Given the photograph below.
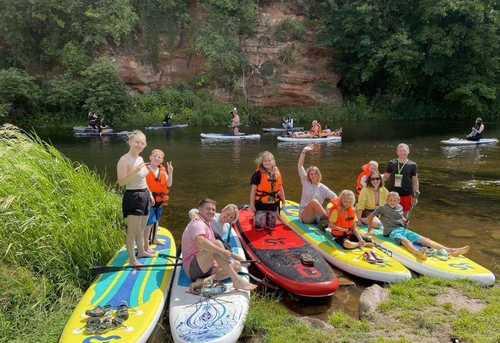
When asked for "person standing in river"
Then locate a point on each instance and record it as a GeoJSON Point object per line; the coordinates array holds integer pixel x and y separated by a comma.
{"type": "Point", "coordinates": [402, 177]}
{"type": "Point", "coordinates": [132, 172]}
{"type": "Point", "coordinates": [235, 122]}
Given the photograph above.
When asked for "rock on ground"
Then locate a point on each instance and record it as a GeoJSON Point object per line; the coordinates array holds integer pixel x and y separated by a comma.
{"type": "Point", "coordinates": [371, 298]}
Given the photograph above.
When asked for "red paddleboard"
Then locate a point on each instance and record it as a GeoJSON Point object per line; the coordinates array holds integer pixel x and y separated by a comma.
{"type": "Point", "coordinates": [286, 259]}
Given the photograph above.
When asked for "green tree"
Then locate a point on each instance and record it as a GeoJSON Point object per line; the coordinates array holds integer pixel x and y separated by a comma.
{"type": "Point", "coordinates": [228, 22]}
{"type": "Point", "coordinates": [18, 92]}
{"type": "Point", "coordinates": [440, 52]}
{"type": "Point", "coordinates": [105, 91]}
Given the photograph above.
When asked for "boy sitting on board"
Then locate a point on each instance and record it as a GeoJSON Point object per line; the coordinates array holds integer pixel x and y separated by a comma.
{"type": "Point", "coordinates": [342, 222]}
{"type": "Point", "coordinates": [394, 222]}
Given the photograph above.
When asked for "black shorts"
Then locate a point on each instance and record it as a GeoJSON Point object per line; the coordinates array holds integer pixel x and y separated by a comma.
{"type": "Point", "coordinates": [195, 271]}
{"type": "Point", "coordinates": [340, 240]}
{"type": "Point", "coordinates": [135, 202]}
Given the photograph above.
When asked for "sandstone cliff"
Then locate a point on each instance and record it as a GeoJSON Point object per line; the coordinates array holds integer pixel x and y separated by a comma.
{"type": "Point", "coordinates": [289, 73]}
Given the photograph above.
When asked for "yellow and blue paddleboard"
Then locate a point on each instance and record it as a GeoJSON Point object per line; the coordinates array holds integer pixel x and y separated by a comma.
{"type": "Point", "coordinates": [351, 261]}
{"type": "Point", "coordinates": [453, 268]}
{"type": "Point", "coordinates": [144, 290]}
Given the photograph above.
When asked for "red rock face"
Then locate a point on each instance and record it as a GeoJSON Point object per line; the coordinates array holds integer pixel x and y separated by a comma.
{"type": "Point", "coordinates": [292, 73]}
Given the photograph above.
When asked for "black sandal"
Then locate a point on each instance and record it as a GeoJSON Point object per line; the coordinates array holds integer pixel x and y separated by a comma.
{"type": "Point", "coordinates": [99, 311]}
{"type": "Point", "coordinates": [122, 312]}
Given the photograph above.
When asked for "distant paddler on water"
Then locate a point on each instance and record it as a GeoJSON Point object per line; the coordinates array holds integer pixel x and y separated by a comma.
{"type": "Point", "coordinates": [235, 122]}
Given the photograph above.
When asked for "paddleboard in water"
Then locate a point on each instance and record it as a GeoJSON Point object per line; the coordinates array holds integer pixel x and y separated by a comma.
{"type": "Point", "coordinates": [460, 141]}
{"type": "Point", "coordinates": [194, 318]}
{"type": "Point", "coordinates": [351, 261]}
{"type": "Point", "coordinates": [103, 133]}
{"type": "Point", "coordinates": [163, 127]}
{"type": "Point", "coordinates": [144, 290]}
{"type": "Point", "coordinates": [90, 129]}
{"type": "Point", "coordinates": [454, 268]}
{"type": "Point", "coordinates": [229, 137]}
{"type": "Point", "coordinates": [280, 129]}
{"type": "Point", "coordinates": [282, 257]}
{"type": "Point", "coordinates": [310, 140]}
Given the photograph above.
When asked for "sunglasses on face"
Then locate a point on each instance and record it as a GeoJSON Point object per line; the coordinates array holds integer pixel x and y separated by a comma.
{"type": "Point", "coordinates": [375, 179]}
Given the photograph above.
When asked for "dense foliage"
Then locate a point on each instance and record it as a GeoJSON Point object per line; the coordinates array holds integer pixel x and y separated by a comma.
{"type": "Point", "coordinates": [441, 53]}
{"type": "Point", "coordinates": [406, 58]}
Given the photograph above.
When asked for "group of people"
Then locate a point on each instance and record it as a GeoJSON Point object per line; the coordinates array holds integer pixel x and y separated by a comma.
{"type": "Point", "coordinates": [316, 131]}
{"type": "Point", "coordinates": [95, 121]}
{"type": "Point", "coordinates": [204, 252]}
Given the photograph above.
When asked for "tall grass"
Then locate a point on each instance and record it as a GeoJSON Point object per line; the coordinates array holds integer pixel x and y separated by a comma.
{"type": "Point", "coordinates": [57, 218]}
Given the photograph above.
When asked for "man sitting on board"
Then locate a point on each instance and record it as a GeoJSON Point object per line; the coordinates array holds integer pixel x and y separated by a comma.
{"type": "Point", "coordinates": [204, 256]}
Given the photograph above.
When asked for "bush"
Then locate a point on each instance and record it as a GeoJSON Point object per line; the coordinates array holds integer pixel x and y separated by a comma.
{"type": "Point", "coordinates": [105, 91]}
{"type": "Point", "coordinates": [18, 89]}
{"type": "Point", "coordinates": [290, 29]}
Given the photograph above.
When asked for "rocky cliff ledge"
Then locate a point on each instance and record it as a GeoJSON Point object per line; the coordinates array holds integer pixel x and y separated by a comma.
{"type": "Point", "coordinates": [289, 73]}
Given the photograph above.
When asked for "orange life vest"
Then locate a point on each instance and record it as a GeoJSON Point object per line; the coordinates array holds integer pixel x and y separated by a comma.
{"type": "Point", "coordinates": [158, 185]}
{"type": "Point", "coordinates": [365, 171]}
{"type": "Point", "coordinates": [345, 219]}
{"type": "Point", "coordinates": [269, 187]}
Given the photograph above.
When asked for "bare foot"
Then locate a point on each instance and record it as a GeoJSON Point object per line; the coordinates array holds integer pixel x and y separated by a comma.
{"type": "Point", "coordinates": [146, 254]}
{"type": "Point", "coordinates": [420, 255]}
{"type": "Point", "coordinates": [459, 251]}
{"type": "Point", "coordinates": [135, 264]}
{"type": "Point", "coordinates": [150, 251]}
{"type": "Point", "coordinates": [243, 285]}
{"type": "Point", "coordinates": [157, 242]}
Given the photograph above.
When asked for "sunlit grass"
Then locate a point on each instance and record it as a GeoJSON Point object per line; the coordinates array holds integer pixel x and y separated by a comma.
{"type": "Point", "coordinates": [57, 219]}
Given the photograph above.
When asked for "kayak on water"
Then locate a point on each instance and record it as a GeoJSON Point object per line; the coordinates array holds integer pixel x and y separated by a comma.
{"type": "Point", "coordinates": [101, 134]}
{"type": "Point", "coordinates": [198, 318]}
{"type": "Point", "coordinates": [90, 129]}
{"type": "Point", "coordinates": [165, 127]}
{"type": "Point", "coordinates": [280, 129]}
{"type": "Point", "coordinates": [310, 139]}
{"type": "Point", "coordinates": [450, 268]}
{"type": "Point", "coordinates": [461, 141]}
{"type": "Point", "coordinates": [286, 259]}
{"type": "Point", "coordinates": [140, 292]}
{"type": "Point", "coordinates": [221, 136]}
{"type": "Point", "coordinates": [351, 261]}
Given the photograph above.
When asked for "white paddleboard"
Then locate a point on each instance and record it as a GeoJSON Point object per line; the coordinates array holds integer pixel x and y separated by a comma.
{"type": "Point", "coordinates": [194, 318]}
{"type": "Point", "coordinates": [461, 141]}
{"type": "Point", "coordinates": [220, 136]}
{"type": "Point", "coordinates": [161, 127]}
{"type": "Point", "coordinates": [280, 129]}
{"type": "Point", "coordinates": [310, 140]}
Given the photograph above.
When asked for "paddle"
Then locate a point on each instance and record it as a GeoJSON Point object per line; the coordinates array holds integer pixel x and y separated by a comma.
{"type": "Point", "coordinates": [111, 269]}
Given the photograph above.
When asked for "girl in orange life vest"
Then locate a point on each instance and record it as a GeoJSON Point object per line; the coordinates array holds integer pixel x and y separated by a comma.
{"type": "Point", "coordinates": [266, 192]}
{"type": "Point", "coordinates": [342, 221]}
{"type": "Point", "coordinates": [366, 171]}
{"type": "Point", "coordinates": [159, 181]}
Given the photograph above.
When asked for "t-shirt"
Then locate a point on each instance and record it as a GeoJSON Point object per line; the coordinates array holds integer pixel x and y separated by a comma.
{"type": "Point", "coordinates": [259, 206]}
{"type": "Point", "coordinates": [189, 249]}
{"type": "Point", "coordinates": [311, 191]}
{"type": "Point", "coordinates": [367, 201]}
{"type": "Point", "coordinates": [391, 218]}
{"type": "Point", "coordinates": [408, 170]}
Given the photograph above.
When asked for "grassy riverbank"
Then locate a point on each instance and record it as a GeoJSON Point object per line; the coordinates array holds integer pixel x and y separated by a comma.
{"type": "Point", "coordinates": [58, 219]}
{"type": "Point", "coordinates": [420, 310]}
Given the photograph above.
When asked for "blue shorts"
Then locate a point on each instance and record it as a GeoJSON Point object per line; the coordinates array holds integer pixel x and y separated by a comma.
{"type": "Point", "coordinates": [401, 233]}
{"type": "Point", "coordinates": [155, 214]}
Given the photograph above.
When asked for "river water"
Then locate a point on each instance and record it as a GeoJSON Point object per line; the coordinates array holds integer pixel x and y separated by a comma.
{"type": "Point", "coordinates": [460, 186]}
